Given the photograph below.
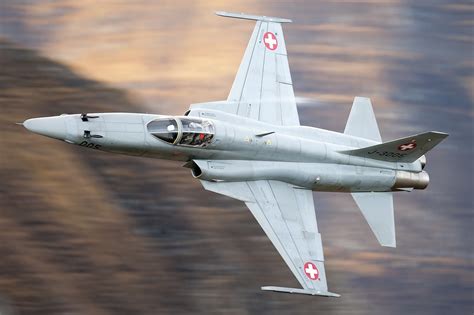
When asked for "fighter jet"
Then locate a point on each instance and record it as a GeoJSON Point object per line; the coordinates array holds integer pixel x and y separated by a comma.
{"type": "Point", "coordinates": [251, 147]}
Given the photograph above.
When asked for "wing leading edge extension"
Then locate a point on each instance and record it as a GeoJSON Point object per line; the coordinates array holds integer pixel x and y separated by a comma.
{"type": "Point", "coordinates": [287, 216]}
{"type": "Point", "coordinates": [262, 89]}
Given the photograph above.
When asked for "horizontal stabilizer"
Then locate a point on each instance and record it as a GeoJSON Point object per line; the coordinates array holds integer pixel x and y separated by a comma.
{"type": "Point", "coordinates": [377, 208]}
{"type": "Point", "coordinates": [404, 150]}
{"type": "Point", "coordinates": [362, 122]}
{"type": "Point", "coordinates": [300, 291]}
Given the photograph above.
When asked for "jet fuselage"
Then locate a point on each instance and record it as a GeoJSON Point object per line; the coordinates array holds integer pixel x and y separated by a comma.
{"type": "Point", "coordinates": [304, 156]}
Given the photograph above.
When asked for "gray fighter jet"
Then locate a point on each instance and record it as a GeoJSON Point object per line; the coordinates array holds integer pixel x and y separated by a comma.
{"type": "Point", "coordinates": [251, 147]}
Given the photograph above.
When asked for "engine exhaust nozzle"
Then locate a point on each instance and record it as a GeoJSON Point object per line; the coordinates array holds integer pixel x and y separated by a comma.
{"type": "Point", "coordinates": [404, 179]}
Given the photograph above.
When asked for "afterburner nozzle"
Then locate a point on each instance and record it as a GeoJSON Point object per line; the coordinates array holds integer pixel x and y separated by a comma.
{"type": "Point", "coordinates": [404, 179]}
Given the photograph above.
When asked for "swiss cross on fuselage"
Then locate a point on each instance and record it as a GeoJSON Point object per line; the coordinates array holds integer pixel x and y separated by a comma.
{"type": "Point", "coordinates": [270, 40]}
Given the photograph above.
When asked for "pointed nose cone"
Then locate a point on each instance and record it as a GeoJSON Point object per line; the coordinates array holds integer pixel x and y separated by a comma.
{"type": "Point", "coordinates": [53, 127]}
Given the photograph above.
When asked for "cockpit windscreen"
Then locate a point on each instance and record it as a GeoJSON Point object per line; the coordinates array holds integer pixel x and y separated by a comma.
{"type": "Point", "coordinates": [183, 131]}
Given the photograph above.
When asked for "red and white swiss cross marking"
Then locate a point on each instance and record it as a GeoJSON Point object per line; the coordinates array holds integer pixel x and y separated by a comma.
{"type": "Point", "coordinates": [407, 146]}
{"type": "Point", "coordinates": [270, 40]}
{"type": "Point", "coordinates": [311, 271]}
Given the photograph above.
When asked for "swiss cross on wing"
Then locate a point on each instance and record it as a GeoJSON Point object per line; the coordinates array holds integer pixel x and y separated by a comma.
{"type": "Point", "coordinates": [270, 40]}
{"type": "Point", "coordinates": [311, 271]}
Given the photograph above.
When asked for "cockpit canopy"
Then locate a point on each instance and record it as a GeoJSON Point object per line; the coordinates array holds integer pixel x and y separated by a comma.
{"type": "Point", "coordinates": [186, 131]}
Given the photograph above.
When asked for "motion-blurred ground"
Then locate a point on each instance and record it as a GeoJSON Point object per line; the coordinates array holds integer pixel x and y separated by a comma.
{"type": "Point", "coordinates": [84, 232]}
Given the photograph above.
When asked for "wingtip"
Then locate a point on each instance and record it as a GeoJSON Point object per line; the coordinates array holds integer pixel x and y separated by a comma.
{"type": "Point", "coordinates": [245, 16]}
{"type": "Point", "coordinates": [300, 291]}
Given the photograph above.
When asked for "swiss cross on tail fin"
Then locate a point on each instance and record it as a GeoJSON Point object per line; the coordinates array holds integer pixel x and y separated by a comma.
{"type": "Point", "coordinates": [405, 150]}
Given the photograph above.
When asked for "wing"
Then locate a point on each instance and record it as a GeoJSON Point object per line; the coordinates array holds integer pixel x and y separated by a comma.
{"type": "Point", "coordinates": [287, 216]}
{"type": "Point", "coordinates": [262, 89]}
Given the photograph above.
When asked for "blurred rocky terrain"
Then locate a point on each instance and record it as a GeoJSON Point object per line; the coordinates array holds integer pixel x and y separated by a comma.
{"type": "Point", "coordinates": [88, 233]}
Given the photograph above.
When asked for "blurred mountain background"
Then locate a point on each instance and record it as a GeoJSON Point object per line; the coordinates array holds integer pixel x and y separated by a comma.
{"type": "Point", "coordinates": [85, 232]}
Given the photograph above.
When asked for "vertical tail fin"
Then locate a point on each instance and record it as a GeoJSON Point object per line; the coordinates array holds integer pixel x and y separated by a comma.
{"type": "Point", "coordinates": [361, 122]}
{"type": "Point", "coordinates": [377, 208]}
{"type": "Point", "coordinates": [404, 150]}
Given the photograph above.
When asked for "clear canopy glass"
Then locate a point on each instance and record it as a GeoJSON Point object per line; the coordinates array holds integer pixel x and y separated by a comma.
{"type": "Point", "coordinates": [184, 131]}
{"type": "Point", "coordinates": [165, 129]}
